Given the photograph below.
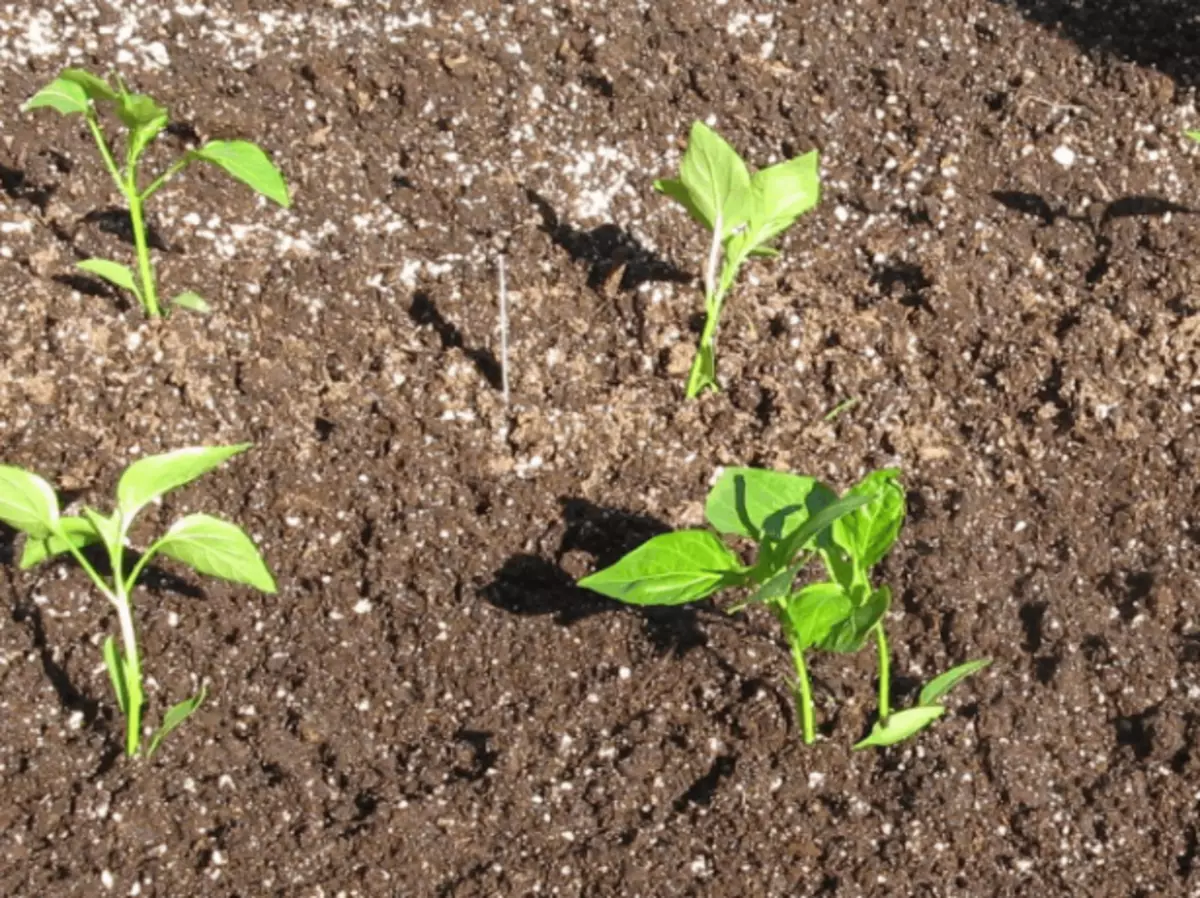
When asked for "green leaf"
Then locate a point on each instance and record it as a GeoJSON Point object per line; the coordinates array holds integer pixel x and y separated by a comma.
{"type": "Point", "coordinates": [60, 94]}
{"type": "Point", "coordinates": [849, 635]}
{"type": "Point", "coordinates": [114, 272]}
{"type": "Point", "coordinates": [1194, 135]}
{"type": "Point", "coordinates": [716, 179]}
{"type": "Point", "coordinates": [116, 672]}
{"type": "Point", "coordinates": [937, 688]}
{"type": "Point", "coordinates": [776, 586]}
{"type": "Point", "coordinates": [139, 111]}
{"type": "Point", "coordinates": [249, 164]}
{"type": "Point", "coordinates": [175, 715]}
{"type": "Point", "coordinates": [678, 192]}
{"type": "Point", "coordinates": [743, 499]}
{"type": "Point", "coordinates": [815, 528]}
{"type": "Point", "coordinates": [27, 502]}
{"type": "Point", "coordinates": [72, 531]}
{"type": "Point", "coordinates": [95, 87]}
{"type": "Point", "coordinates": [107, 526]}
{"type": "Point", "coordinates": [670, 569]}
{"type": "Point", "coordinates": [148, 478]}
{"type": "Point", "coordinates": [864, 537]}
{"type": "Point", "coordinates": [703, 375]}
{"type": "Point", "coordinates": [192, 301]}
{"type": "Point", "coordinates": [901, 725]}
{"type": "Point", "coordinates": [218, 548]}
{"type": "Point", "coordinates": [816, 610]}
{"type": "Point", "coordinates": [781, 194]}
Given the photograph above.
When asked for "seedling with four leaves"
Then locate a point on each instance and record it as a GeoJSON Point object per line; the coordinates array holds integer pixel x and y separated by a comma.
{"type": "Point", "coordinates": [77, 92]}
{"type": "Point", "coordinates": [744, 212]}
{"type": "Point", "coordinates": [792, 519]}
{"type": "Point", "coordinates": [207, 544]}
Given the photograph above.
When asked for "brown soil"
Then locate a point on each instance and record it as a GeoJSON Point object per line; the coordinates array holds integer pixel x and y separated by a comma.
{"type": "Point", "coordinates": [428, 707]}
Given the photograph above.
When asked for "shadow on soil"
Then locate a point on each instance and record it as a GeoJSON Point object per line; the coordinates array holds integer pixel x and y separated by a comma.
{"type": "Point", "coordinates": [529, 584]}
{"type": "Point", "coordinates": [425, 313]}
{"type": "Point", "coordinates": [1159, 34]}
{"type": "Point", "coordinates": [615, 259]}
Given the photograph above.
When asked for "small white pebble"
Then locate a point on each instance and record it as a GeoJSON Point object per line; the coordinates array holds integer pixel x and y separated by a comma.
{"type": "Point", "coordinates": [106, 879]}
{"type": "Point", "coordinates": [1064, 156]}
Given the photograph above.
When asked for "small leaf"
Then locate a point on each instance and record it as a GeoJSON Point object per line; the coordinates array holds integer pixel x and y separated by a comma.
{"type": "Point", "coordinates": [116, 672]}
{"type": "Point", "coordinates": [776, 586]}
{"type": "Point", "coordinates": [869, 533]}
{"type": "Point", "coordinates": [815, 610]}
{"type": "Point", "coordinates": [716, 179]}
{"type": "Point", "coordinates": [937, 688]}
{"type": "Point", "coordinates": [1194, 135]}
{"type": "Point", "coordinates": [703, 375]}
{"type": "Point", "coordinates": [107, 526]}
{"type": "Point", "coordinates": [781, 194]}
{"type": "Point", "coordinates": [670, 569]}
{"type": "Point", "coordinates": [72, 531]}
{"type": "Point", "coordinates": [192, 301]}
{"type": "Point", "coordinates": [95, 87]}
{"type": "Point", "coordinates": [139, 111]}
{"type": "Point", "coordinates": [901, 725]}
{"type": "Point", "coordinates": [677, 191]}
{"type": "Point", "coordinates": [818, 523]}
{"type": "Point", "coordinates": [60, 94]}
{"type": "Point", "coordinates": [148, 478]}
{"type": "Point", "coordinates": [176, 715]}
{"type": "Point", "coordinates": [249, 164]}
{"type": "Point", "coordinates": [218, 548]}
{"type": "Point", "coordinates": [27, 502]}
{"type": "Point", "coordinates": [114, 272]}
{"type": "Point", "coordinates": [743, 499]}
{"type": "Point", "coordinates": [849, 635]}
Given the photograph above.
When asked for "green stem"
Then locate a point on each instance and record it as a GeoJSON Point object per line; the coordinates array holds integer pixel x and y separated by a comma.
{"type": "Point", "coordinates": [166, 176]}
{"type": "Point", "coordinates": [149, 295]}
{"type": "Point", "coordinates": [885, 675]}
{"type": "Point", "coordinates": [804, 699]}
{"type": "Point", "coordinates": [131, 669]}
{"type": "Point", "coordinates": [106, 153]}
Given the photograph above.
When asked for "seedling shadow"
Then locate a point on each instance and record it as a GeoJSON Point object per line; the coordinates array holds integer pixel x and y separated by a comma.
{"type": "Point", "coordinates": [424, 312]}
{"type": "Point", "coordinates": [1162, 36]}
{"type": "Point", "coordinates": [116, 221]}
{"type": "Point", "coordinates": [68, 694]}
{"type": "Point", "coordinates": [532, 585]}
{"type": "Point", "coordinates": [16, 186]}
{"type": "Point", "coordinates": [613, 256]}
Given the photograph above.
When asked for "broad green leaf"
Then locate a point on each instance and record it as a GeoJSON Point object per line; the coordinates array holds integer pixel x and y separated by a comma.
{"type": "Point", "coordinates": [71, 531]}
{"type": "Point", "coordinates": [176, 715]}
{"type": "Point", "coordinates": [849, 635]}
{"type": "Point", "coordinates": [678, 192]}
{"type": "Point", "coordinates": [716, 179]}
{"type": "Point", "coordinates": [114, 272]}
{"type": "Point", "coordinates": [866, 536]}
{"type": "Point", "coordinates": [60, 94]}
{"type": "Point", "coordinates": [780, 195]}
{"type": "Point", "coordinates": [27, 502]}
{"type": "Point", "coordinates": [815, 610]}
{"type": "Point", "coordinates": [115, 663]}
{"type": "Point", "coordinates": [218, 548]}
{"type": "Point", "coordinates": [670, 569]}
{"type": "Point", "coordinates": [192, 301]}
{"type": "Point", "coordinates": [1194, 135]}
{"type": "Point", "coordinates": [95, 87]}
{"type": "Point", "coordinates": [937, 688]}
{"type": "Point", "coordinates": [148, 478]}
{"type": "Point", "coordinates": [743, 499]}
{"type": "Point", "coordinates": [776, 586]}
{"type": "Point", "coordinates": [249, 164]}
{"type": "Point", "coordinates": [815, 529]}
{"type": "Point", "coordinates": [901, 725]}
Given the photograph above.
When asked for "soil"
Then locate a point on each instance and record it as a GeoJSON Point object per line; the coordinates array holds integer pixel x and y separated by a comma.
{"type": "Point", "coordinates": [1002, 272]}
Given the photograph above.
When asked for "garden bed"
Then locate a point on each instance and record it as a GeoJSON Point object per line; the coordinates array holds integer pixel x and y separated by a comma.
{"type": "Point", "coordinates": [1001, 272]}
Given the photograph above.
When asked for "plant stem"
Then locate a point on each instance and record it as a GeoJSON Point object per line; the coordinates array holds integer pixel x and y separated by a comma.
{"type": "Point", "coordinates": [804, 698]}
{"type": "Point", "coordinates": [885, 675]}
{"type": "Point", "coordinates": [131, 670]}
{"type": "Point", "coordinates": [105, 152]}
{"type": "Point", "coordinates": [145, 266]}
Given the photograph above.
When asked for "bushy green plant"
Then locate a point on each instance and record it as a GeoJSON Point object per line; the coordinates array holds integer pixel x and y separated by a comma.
{"type": "Point", "coordinates": [792, 519]}
{"type": "Point", "coordinates": [77, 92]}
{"type": "Point", "coordinates": [744, 212]}
{"type": "Point", "coordinates": [207, 544]}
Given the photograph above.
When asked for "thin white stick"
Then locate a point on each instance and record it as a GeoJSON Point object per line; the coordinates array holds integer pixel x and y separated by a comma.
{"type": "Point", "coordinates": [503, 332]}
{"type": "Point", "coordinates": [714, 259]}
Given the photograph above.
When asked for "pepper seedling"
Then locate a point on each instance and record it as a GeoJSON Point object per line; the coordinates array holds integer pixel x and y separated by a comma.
{"type": "Point", "coordinates": [207, 544]}
{"type": "Point", "coordinates": [744, 212]}
{"type": "Point", "coordinates": [77, 92]}
{"type": "Point", "coordinates": [792, 519]}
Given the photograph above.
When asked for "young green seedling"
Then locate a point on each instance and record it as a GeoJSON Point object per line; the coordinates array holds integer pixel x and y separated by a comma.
{"type": "Point", "coordinates": [744, 212]}
{"type": "Point", "coordinates": [792, 519]}
{"type": "Point", "coordinates": [208, 545]}
{"type": "Point", "coordinates": [77, 92]}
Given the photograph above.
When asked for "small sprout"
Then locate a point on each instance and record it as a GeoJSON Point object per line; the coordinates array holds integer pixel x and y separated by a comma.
{"type": "Point", "coordinates": [206, 544]}
{"type": "Point", "coordinates": [793, 520]}
{"type": "Point", "coordinates": [77, 92]}
{"type": "Point", "coordinates": [744, 212]}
